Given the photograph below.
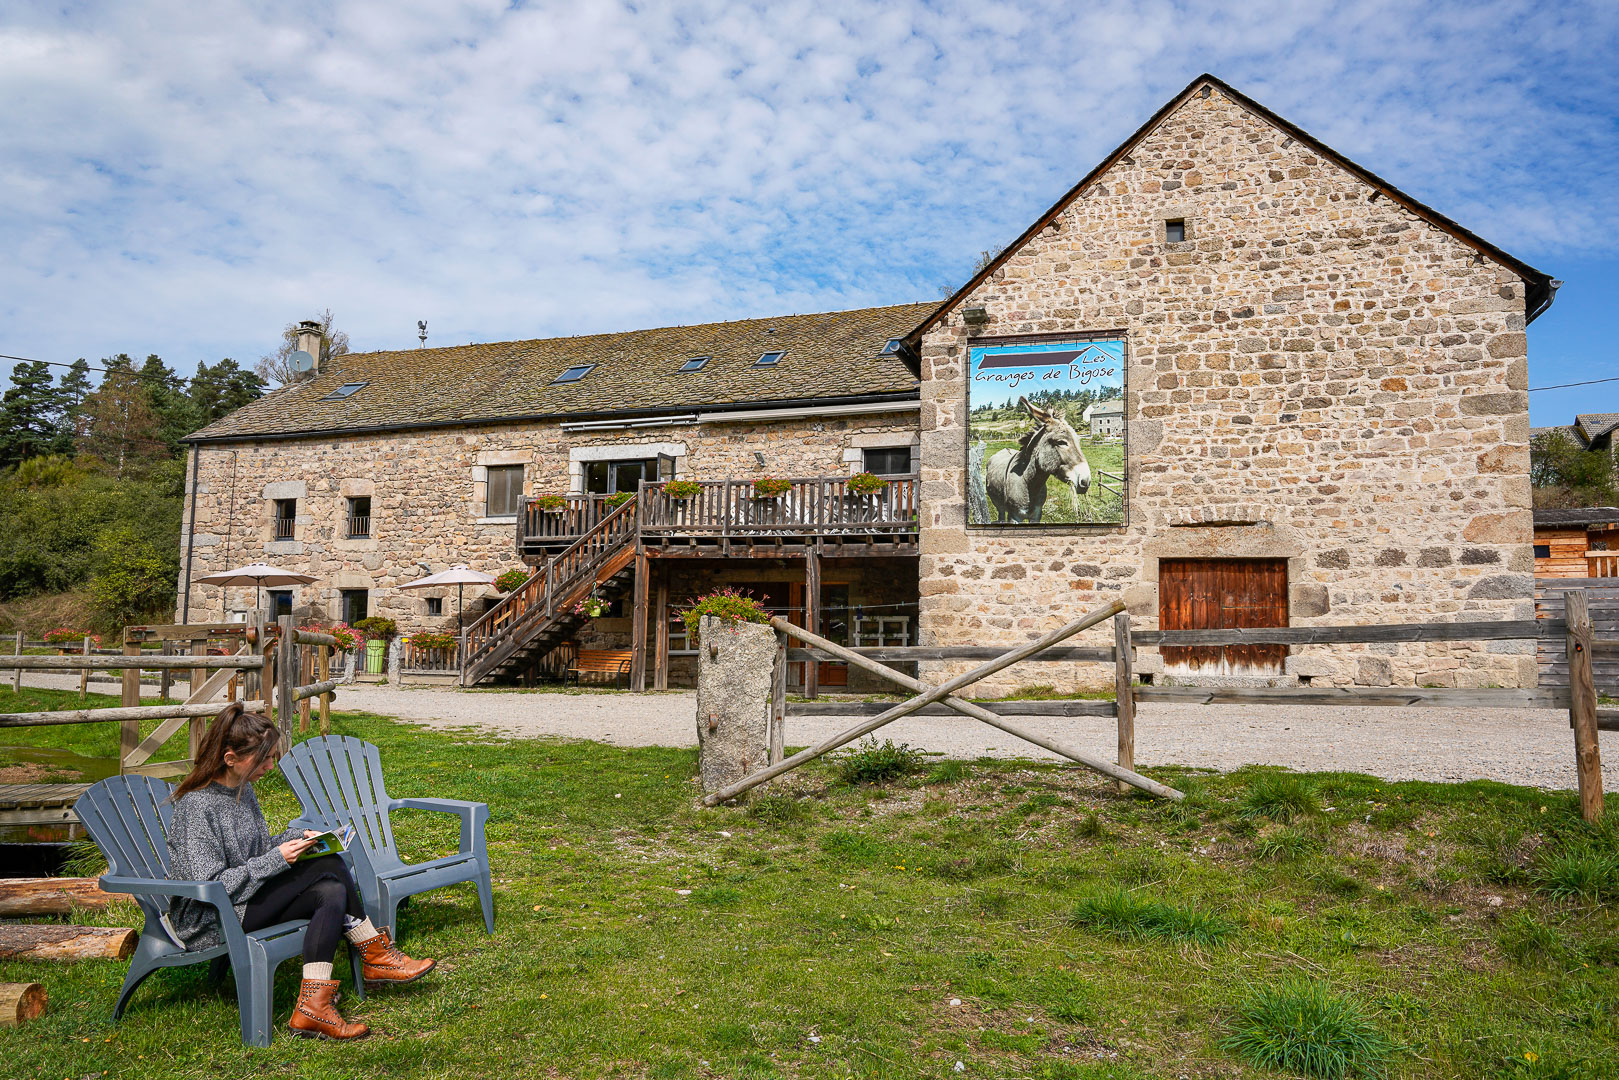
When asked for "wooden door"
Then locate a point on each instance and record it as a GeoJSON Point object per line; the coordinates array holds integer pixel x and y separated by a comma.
{"type": "Point", "coordinates": [1216, 594]}
{"type": "Point", "coordinates": [835, 623]}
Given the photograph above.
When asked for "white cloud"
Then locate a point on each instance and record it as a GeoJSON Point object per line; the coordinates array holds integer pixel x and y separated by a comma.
{"type": "Point", "coordinates": [185, 178]}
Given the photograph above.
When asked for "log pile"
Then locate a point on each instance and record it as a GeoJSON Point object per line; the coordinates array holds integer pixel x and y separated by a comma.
{"type": "Point", "coordinates": [49, 896]}
{"type": "Point", "coordinates": [35, 941]}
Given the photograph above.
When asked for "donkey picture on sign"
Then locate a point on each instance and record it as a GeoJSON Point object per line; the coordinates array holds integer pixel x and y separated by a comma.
{"type": "Point", "coordinates": [1045, 433]}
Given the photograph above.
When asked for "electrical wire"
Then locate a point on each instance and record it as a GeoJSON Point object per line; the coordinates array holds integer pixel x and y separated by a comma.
{"type": "Point", "coordinates": [1561, 386]}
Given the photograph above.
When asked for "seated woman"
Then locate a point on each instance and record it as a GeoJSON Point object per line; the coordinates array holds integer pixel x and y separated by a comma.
{"type": "Point", "coordinates": [218, 834]}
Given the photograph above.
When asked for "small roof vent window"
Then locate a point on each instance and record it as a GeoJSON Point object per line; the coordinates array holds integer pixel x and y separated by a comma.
{"type": "Point", "coordinates": [575, 373]}
{"type": "Point", "coordinates": [891, 347]}
{"type": "Point", "coordinates": [345, 391]}
{"type": "Point", "coordinates": [770, 359]}
{"type": "Point", "coordinates": [696, 363]}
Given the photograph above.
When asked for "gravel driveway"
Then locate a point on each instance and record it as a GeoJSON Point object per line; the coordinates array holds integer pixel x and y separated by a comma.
{"type": "Point", "coordinates": [1516, 746]}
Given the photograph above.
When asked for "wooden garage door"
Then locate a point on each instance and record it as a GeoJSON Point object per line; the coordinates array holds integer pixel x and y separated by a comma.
{"type": "Point", "coordinates": [1213, 594]}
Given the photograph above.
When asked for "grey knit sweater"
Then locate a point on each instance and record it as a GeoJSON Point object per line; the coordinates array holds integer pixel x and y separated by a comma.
{"type": "Point", "coordinates": [216, 836]}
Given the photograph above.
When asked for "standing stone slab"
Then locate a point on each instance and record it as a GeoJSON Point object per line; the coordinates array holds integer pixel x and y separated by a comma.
{"type": "Point", "coordinates": [734, 662]}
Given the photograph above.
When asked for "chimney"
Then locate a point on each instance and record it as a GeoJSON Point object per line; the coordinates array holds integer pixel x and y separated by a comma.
{"type": "Point", "coordinates": [309, 340]}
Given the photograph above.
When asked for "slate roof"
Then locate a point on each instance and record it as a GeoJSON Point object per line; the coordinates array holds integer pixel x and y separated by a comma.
{"type": "Point", "coordinates": [830, 356]}
{"type": "Point", "coordinates": [1584, 515]}
{"type": "Point", "coordinates": [1595, 425]}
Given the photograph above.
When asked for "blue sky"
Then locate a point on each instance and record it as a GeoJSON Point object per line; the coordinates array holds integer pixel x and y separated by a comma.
{"type": "Point", "coordinates": [186, 178]}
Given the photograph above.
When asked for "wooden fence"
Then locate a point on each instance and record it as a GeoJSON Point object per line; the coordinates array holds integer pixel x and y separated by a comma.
{"type": "Point", "coordinates": [1602, 596]}
{"type": "Point", "coordinates": [1574, 631]}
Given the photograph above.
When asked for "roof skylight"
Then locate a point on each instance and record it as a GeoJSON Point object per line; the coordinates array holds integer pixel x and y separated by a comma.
{"type": "Point", "coordinates": [696, 363]}
{"type": "Point", "coordinates": [345, 390]}
{"type": "Point", "coordinates": [770, 359]}
{"type": "Point", "coordinates": [574, 373]}
{"type": "Point", "coordinates": [891, 347]}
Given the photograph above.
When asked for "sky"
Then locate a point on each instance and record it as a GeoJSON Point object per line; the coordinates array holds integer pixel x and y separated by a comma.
{"type": "Point", "coordinates": [186, 178]}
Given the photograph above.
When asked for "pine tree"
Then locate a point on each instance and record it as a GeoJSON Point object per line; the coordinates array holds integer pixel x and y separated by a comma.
{"type": "Point", "coordinates": [177, 415]}
{"type": "Point", "coordinates": [222, 389]}
{"type": "Point", "coordinates": [75, 387]}
{"type": "Point", "coordinates": [28, 413]}
{"type": "Point", "coordinates": [116, 424]}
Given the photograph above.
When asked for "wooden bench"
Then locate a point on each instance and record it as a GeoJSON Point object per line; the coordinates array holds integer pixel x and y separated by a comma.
{"type": "Point", "coordinates": [614, 662]}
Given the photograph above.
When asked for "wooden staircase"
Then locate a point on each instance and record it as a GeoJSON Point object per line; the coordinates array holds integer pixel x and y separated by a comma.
{"type": "Point", "coordinates": [539, 615]}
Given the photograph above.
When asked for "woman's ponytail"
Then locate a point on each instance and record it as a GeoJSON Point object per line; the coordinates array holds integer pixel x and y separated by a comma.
{"type": "Point", "coordinates": [246, 734]}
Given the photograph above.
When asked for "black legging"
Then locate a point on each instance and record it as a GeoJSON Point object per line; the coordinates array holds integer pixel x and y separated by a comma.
{"type": "Point", "coordinates": [320, 890]}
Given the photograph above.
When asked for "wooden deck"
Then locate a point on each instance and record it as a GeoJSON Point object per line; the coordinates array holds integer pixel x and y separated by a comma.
{"type": "Point", "coordinates": [39, 804]}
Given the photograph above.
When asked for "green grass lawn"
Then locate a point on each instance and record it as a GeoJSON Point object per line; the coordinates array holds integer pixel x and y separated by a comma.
{"type": "Point", "coordinates": [1019, 918]}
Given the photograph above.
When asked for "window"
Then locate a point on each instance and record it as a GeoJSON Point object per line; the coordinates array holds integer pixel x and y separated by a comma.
{"type": "Point", "coordinates": [356, 604]}
{"type": "Point", "coordinates": [574, 373]}
{"type": "Point", "coordinates": [345, 390]}
{"type": "Point", "coordinates": [610, 477]}
{"type": "Point", "coordinates": [435, 605]}
{"type": "Point", "coordinates": [360, 517]}
{"type": "Point", "coordinates": [1175, 231]}
{"type": "Point", "coordinates": [892, 346]}
{"type": "Point", "coordinates": [889, 460]}
{"type": "Point", "coordinates": [505, 490]}
{"type": "Point", "coordinates": [696, 363]}
{"type": "Point", "coordinates": [770, 359]}
{"type": "Point", "coordinates": [286, 518]}
{"type": "Point", "coordinates": [280, 603]}
{"type": "Point", "coordinates": [1543, 551]}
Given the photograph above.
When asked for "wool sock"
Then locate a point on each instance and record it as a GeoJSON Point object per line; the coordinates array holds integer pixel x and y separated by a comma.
{"type": "Point", "coordinates": [318, 971]}
{"type": "Point", "coordinates": [361, 931]}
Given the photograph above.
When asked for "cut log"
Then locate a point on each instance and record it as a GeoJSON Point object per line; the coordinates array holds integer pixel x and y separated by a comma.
{"type": "Point", "coordinates": [34, 941]}
{"type": "Point", "coordinates": [49, 896]}
{"type": "Point", "coordinates": [20, 1003]}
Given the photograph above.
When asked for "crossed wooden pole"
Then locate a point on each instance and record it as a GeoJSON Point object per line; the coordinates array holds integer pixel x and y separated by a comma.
{"type": "Point", "coordinates": [944, 693]}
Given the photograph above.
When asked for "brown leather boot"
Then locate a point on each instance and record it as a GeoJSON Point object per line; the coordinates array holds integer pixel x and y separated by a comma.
{"type": "Point", "coordinates": [315, 1017]}
{"type": "Point", "coordinates": [384, 964]}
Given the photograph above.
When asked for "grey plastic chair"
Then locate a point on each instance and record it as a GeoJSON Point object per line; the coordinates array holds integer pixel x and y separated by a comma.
{"type": "Point", "coordinates": [128, 817]}
{"type": "Point", "coordinates": [338, 781]}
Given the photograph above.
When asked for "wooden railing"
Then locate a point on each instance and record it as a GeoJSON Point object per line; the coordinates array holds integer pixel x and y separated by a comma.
{"type": "Point", "coordinates": [1602, 563]}
{"type": "Point", "coordinates": [443, 660]}
{"type": "Point", "coordinates": [577, 516]}
{"type": "Point", "coordinates": [550, 586]}
{"type": "Point", "coordinates": [815, 505]}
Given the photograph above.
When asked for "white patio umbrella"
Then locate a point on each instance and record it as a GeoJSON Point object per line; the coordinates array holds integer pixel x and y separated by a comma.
{"type": "Point", "coordinates": [257, 575]}
{"type": "Point", "coordinates": [458, 575]}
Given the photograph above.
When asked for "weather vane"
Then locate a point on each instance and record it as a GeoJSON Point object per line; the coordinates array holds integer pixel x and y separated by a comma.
{"type": "Point", "coordinates": [421, 332]}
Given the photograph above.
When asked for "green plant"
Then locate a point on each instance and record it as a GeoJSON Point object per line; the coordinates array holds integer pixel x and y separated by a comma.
{"type": "Point", "coordinates": [682, 489]}
{"type": "Point", "coordinates": [619, 498]}
{"type": "Point", "coordinates": [873, 763]}
{"type": "Point", "coordinates": [949, 772]}
{"type": "Point", "coordinates": [429, 639]}
{"type": "Point", "coordinates": [551, 503]}
{"type": "Point", "coordinates": [866, 483]}
{"type": "Point", "coordinates": [64, 636]}
{"type": "Point", "coordinates": [1280, 797]}
{"type": "Point", "coordinates": [377, 627]}
{"type": "Point", "coordinates": [1124, 915]}
{"type": "Point", "coordinates": [768, 487]}
{"type": "Point", "coordinates": [781, 809]}
{"type": "Point", "coordinates": [1286, 845]}
{"type": "Point", "coordinates": [133, 577]}
{"type": "Point", "coordinates": [1577, 871]}
{"type": "Point", "coordinates": [511, 579]}
{"type": "Point", "coordinates": [1300, 1026]}
{"type": "Point", "coordinates": [728, 604]}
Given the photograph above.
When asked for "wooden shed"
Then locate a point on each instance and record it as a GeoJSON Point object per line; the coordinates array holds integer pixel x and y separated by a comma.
{"type": "Point", "coordinates": [1578, 543]}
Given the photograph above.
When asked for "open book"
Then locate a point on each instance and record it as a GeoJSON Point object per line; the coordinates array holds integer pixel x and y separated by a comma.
{"type": "Point", "coordinates": [330, 843]}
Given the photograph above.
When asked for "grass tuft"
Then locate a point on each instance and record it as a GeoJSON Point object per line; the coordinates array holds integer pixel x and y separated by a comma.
{"type": "Point", "coordinates": [1286, 845]}
{"type": "Point", "coordinates": [1124, 915]}
{"type": "Point", "coordinates": [1281, 797]}
{"type": "Point", "coordinates": [874, 763]}
{"type": "Point", "coordinates": [1577, 872]}
{"type": "Point", "coordinates": [950, 772]}
{"type": "Point", "coordinates": [1300, 1026]}
{"type": "Point", "coordinates": [780, 809]}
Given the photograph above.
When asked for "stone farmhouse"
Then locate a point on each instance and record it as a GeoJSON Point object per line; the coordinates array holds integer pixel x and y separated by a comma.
{"type": "Point", "coordinates": [1324, 420]}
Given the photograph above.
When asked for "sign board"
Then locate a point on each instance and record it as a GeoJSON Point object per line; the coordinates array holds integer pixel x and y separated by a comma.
{"type": "Point", "coordinates": [1046, 432]}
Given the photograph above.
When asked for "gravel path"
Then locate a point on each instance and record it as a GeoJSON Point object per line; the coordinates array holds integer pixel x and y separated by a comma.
{"type": "Point", "coordinates": [1516, 746]}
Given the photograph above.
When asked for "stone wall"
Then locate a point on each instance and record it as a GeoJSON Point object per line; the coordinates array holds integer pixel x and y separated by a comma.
{"type": "Point", "coordinates": [428, 499]}
{"type": "Point", "coordinates": [1315, 373]}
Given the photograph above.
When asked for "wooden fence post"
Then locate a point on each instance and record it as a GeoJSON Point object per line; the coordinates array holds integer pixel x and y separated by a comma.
{"type": "Point", "coordinates": [286, 669]}
{"type": "Point", "coordinates": [129, 731]}
{"type": "Point", "coordinates": [638, 625]}
{"type": "Point", "coordinates": [324, 652]}
{"type": "Point", "coordinates": [1123, 678]}
{"type": "Point", "coordinates": [778, 700]}
{"type": "Point", "coordinates": [165, 678]}
{"type": "Point", "coordinates": [1582, 703]}
{"type": "Point", "coordinates": [660, 632]}
{"type": "Point", "coordinates": [306, 668]}
{"type": "Point", "coordinates": [84, 672]}
{"type": "Point", "coordinates": [16, 676]}
{"type": "Point", "coordinates": [197, 726]}
{"type": "Point", "coordinates": [812, 618]}
{"type": "Point", "coordinates": [266, 685]}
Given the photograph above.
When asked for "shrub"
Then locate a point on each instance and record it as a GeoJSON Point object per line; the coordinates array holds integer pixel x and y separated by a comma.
{"type": "Point", "coordinates": [1281, 797]}
{"type": "Point", "coordinates": [768, 487]}
{"type": "Point", "coordinates": [1124, 915]}
{"type": "Point", "coordinates": [871, 763]}
{"type": "Point", "coordinates": [64, 636]}
{"type": "Point", "coordinates": [1300, 1026]}
{"type": "Point", "coordinates": [551, 503]}
{"type": "Point", "coordinates": [511, 579]}
{"type": "Point", "coordinates": [726, 603]}
{"type": "Point", "coordinates": [682, 489]}
{"type": "Point", "coordinates": [377, 627]}
{"type": "Point", "coordinates": [429, 639]}
{"type": "Point", "coordinates": [132, 578]}
{"type": "Point", "coordinates": [866, 483]}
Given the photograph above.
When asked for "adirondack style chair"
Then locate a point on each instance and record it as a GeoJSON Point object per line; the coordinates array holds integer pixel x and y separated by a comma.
{"type": "Point", "coordinates": [128, 817]}
{"type": "Point", "coordinates": [338, 781]}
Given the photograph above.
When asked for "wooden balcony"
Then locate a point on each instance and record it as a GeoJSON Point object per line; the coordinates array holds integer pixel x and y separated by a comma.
{"type": "Point", "coordinates": [725, 518]}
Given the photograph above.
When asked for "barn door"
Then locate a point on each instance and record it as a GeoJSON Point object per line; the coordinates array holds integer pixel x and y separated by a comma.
{"type": "Point", "coordinates": [1216, 594]}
